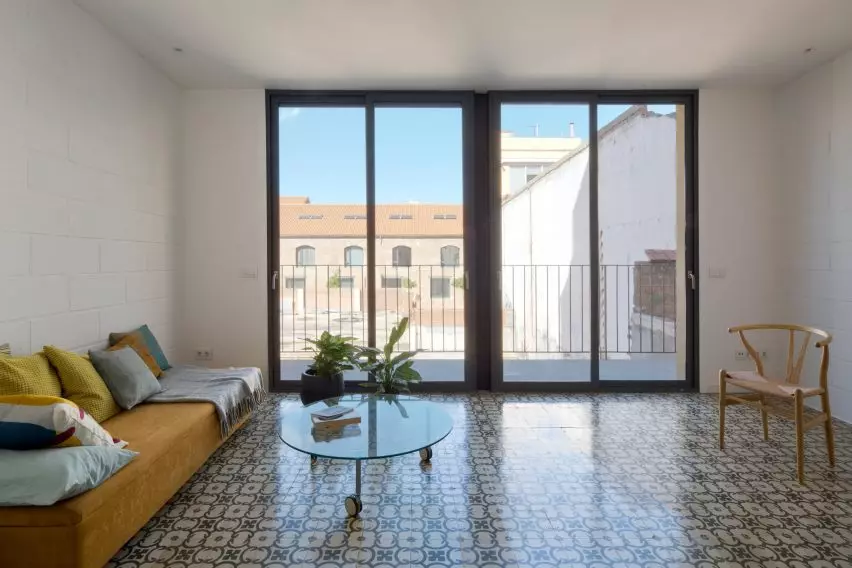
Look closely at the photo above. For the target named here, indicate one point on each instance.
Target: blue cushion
(150, 341)
(43, 477)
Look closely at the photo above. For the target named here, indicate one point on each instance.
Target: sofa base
(138, 491)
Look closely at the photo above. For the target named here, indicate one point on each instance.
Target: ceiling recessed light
(178, 49)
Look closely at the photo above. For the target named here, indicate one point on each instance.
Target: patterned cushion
(29, 422)
(5, 349)
(81, 383)
(153, 346)
(135, 341)
(28, 375)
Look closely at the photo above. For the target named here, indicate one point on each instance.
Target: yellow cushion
(135, 341)
(81, 383)
(28, 375)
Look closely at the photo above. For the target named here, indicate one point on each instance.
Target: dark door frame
(593, 98)
(482, 223)
(369, 101)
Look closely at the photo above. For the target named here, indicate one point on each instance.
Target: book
(335, 423)
(331, 413)
(329, 434)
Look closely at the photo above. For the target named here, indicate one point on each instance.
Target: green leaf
(404, 356)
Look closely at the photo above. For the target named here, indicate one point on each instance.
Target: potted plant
(333, 354)
(392, 374)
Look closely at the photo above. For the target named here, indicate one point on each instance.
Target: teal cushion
(150, 341)
(126, 375)
(43, 477)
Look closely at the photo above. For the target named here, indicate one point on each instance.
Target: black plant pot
(316, 388)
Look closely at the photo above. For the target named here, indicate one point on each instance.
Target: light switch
(717, 272)
(249, 272)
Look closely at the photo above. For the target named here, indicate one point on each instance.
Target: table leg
(353, 502)
(358, 478)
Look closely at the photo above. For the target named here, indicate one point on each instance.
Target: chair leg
(800, 437)
(765, 417)
(722, 403)
(829, 430)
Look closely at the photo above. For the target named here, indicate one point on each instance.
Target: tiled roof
(404, 220)
(661, 255)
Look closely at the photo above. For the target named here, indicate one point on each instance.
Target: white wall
(224, 227)
(815, 119)
(738, 222)
(87, 182)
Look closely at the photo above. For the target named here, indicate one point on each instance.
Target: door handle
(691, 275)
(274, 279)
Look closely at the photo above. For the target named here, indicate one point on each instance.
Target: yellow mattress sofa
(173, 441)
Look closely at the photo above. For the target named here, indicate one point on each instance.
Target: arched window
(305, 256)
(450, 255)
(402, 256)
(353, 256)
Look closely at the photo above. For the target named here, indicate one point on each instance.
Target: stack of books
(334, 418)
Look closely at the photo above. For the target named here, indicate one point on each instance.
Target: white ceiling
(480, 44)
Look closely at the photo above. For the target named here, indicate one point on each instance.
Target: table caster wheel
(314, 460)
(353, 505)
(426, 454)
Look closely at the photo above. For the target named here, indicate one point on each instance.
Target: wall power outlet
(743, 355)
(204, 354)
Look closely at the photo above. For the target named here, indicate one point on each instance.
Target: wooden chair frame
(760, 392)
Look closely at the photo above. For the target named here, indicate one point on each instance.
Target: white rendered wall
(224, 227)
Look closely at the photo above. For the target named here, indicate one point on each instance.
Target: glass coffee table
(391, 425)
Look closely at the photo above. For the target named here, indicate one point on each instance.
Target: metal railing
(545, 308)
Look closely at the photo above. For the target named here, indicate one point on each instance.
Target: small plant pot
(316, 388)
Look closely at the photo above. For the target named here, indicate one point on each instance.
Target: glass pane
(545, 243)
(419, 196)
(641, 204)
(323, 229)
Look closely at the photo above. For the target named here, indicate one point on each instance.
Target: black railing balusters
(649, 310)
(617, 310)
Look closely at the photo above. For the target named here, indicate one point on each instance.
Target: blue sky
(418, 150)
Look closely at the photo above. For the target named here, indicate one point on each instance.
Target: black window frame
(304, 248)
(347, 261)
(446, 283)
(395, 260)
(455, 250)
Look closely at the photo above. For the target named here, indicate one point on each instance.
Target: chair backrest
(795, 357)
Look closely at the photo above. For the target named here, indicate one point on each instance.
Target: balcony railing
(545, 308)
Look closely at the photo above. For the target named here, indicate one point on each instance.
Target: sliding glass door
(368, 194)
(595, 240)
(532, 240)
(545, 275)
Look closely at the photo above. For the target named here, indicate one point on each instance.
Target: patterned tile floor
(523, 480)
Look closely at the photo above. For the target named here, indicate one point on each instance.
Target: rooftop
(300, 218)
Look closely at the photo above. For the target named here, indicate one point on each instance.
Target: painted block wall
(88, 155)
(815, 120)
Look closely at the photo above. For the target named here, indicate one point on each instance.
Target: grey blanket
(235, 392)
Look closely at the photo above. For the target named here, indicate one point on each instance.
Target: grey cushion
(126, 375)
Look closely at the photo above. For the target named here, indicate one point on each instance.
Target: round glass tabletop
(391, 425)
